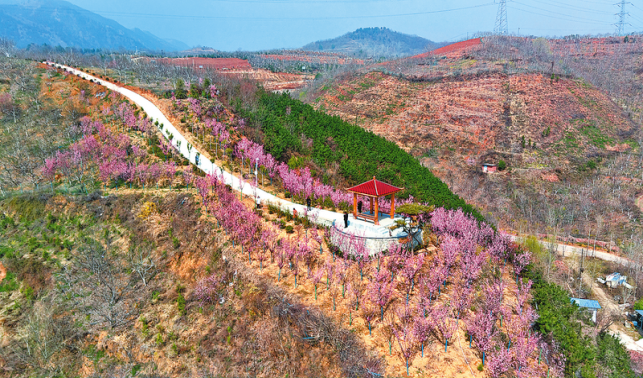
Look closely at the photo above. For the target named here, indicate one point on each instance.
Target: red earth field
(315, 57)
(215, 63)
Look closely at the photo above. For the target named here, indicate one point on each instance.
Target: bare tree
(100, 283)
(7, 47)
(143, 262)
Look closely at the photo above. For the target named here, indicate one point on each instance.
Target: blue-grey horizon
(251, 25)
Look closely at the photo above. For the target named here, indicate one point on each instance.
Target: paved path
(324, 217)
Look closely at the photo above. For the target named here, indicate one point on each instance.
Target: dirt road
(564, 250)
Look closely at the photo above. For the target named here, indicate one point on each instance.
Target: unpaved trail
(3, 272)
(639, 202)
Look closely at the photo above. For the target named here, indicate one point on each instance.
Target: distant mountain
(59, 23)
(375, 42)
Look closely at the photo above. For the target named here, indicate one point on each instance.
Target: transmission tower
(502, 27)
(620, 26)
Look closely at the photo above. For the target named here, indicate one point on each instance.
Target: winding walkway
(324, 217)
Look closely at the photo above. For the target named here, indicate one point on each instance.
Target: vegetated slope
(499, 100)
(233, 348)
(374, 42)
(562, 121)
(59, 23)
(214, 63)
(104, 283)
(291, 128)
(156, 326)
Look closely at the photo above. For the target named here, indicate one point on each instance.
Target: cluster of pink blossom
(126, 114)
(299, 182)
(114, 156)
(370, 291)
(195, 107)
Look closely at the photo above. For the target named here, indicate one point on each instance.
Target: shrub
(180, 304)
(639, 304)
(28, 292)
(502, 165)
(145, 326)
(9, 283)
(176, 242)
(289, 229)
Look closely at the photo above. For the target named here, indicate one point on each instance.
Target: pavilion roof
(374, 188)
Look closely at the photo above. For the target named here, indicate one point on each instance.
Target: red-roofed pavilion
(374, 189)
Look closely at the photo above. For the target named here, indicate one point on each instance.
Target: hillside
(483, 101)
(119, 257)
(59, 23)
(374, 42)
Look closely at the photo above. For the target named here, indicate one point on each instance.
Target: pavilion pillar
(377, 212)
(371, 209)
(392, 205)
(355, 205)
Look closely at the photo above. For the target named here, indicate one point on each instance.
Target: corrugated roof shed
(586, 303)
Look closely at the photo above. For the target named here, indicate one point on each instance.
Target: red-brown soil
(453, 50)
(315, 57)
(214, 63)
(481, 113)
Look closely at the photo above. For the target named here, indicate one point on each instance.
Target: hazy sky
(264, 24)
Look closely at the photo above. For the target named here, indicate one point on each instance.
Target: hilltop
(60, 23)
(490, 100)
(375, 42)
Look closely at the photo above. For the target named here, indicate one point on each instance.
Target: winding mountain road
(323, 217)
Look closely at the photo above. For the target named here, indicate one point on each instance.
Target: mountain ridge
(60, 23)
(374, 42)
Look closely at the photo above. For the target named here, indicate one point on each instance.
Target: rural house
(588, 305)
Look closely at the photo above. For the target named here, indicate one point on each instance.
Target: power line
(573, 8)
(502, 26)
(560, 14)
(175, 16)
(560, 18)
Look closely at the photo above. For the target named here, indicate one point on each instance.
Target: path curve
(323, 217)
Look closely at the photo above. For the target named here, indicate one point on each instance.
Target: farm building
(489, 168)
(588, 305)
(615, 280)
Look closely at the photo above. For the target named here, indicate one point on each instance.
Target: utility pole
(502, 26)
(620, 25)
(580, 273)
